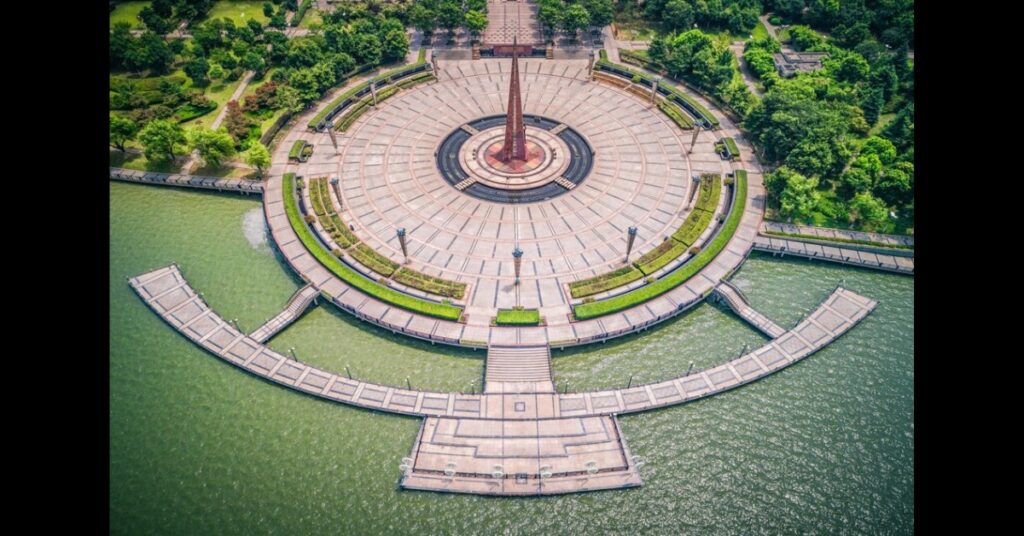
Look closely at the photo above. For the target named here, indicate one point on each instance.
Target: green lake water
(198, 446)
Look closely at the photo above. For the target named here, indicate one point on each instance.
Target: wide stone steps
(520, 364)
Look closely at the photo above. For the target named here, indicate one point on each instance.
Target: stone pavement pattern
(507, 443)
(641, 176)
(508, 21)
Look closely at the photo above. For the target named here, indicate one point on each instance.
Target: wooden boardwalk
(839, 254)
(509, 442)
(220, 184)
(297, 305)
(731, 296)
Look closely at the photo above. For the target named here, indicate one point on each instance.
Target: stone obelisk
(515, 131)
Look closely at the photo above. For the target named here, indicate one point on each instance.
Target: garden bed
(348, 275)
(517, 317)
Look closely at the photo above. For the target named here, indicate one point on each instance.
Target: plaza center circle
(390, 176)
(547, 159)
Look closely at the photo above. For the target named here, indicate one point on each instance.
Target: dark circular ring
(581, 161)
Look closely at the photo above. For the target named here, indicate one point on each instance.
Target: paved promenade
(388, 179)
(842, 255)
(220, 184)
(506, 442)
(826, 233)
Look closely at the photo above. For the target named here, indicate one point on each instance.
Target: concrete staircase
(520, 368)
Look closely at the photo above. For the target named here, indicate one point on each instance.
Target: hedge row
(603, 282)
(350, 276)
(693, 227)
(431, 284)
(660, 256)
(691, 105)
(385, 76)
(730, 144)
(679, 275)
(329, 220)
(682, 120)
(296, 149)
(517, 317)
(710, 191)
(300, 12)
(369, 258)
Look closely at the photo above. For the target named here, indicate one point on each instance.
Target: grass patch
(679, 275)
(693, 227)
(517, 317)
(659, 257)
(682, 120)
(734, 151)
(139, 162)
(320, 198)
(759, 31)
(239, 11)
(883, 121)
(603, 282)
(350, 276)
(297, 149)
(312, 19)
(304, 6)
(128, 12)
(710, 191)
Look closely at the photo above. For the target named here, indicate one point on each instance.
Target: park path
(748, 77)
(194, 158)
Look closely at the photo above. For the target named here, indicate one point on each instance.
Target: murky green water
(200, 447)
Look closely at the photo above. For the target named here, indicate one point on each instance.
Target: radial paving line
(475, 257)
(519, 437)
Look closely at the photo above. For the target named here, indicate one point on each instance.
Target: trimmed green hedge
(710, 191)
(353, 113)
(350, 276)
(734, 151)
(679, 275)
(320, 197)
(517, 317)
(693, 227)
(691, 104)
(660, 256)
(296, 149)
(431, 284)
(682, 120)
(369, 258)
(603, 282)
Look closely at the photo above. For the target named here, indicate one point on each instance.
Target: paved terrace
(388, 179)
(220, 184)
(507, 443)
(839, 254)
(507, 20)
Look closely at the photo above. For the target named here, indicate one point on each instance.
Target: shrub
(603, 282)
(517, 317)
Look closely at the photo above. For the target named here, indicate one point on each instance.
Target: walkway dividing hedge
(681, 274)
(348, 275)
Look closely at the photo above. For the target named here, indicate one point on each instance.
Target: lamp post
(654, 88)
(517, 257)
(401, 240)
(337, 192)
(630, 237)
(693, 140)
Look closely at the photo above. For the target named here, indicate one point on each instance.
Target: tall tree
(868, 210)
(258, 156)
(475, 22)
(213, 146)
(158, 139)
(122, 130)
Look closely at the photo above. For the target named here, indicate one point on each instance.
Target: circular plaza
(601, 160)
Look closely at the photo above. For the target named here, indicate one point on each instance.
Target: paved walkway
(194, 159)
(221, 184)
(297, 305)
(827, 233)
(748, 77)
(839, 254)
(504, 443)
(508, 20)
(734, 298)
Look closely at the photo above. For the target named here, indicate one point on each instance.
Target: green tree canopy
(122, 130)
(158, 139)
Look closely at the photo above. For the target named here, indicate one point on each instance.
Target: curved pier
(515, 439)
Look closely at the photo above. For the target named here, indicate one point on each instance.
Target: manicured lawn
(312, 17)
(128, 12)
(139, 162)
(759, 31)
(517, 317)
(239, 12)
(227, 172)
